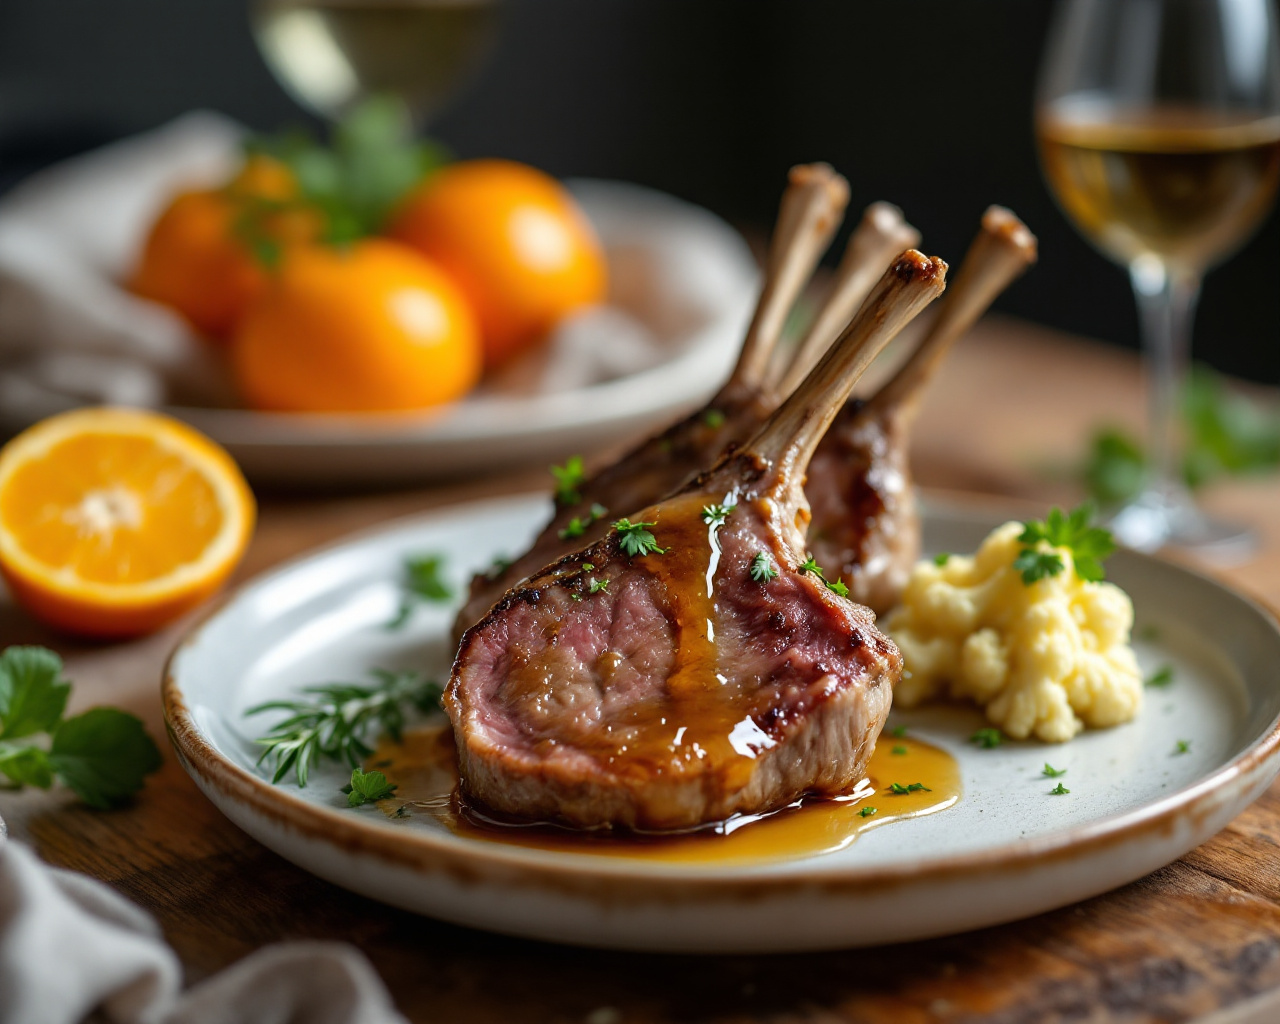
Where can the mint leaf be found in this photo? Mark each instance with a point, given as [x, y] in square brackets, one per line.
[103, 755]
[33, 694]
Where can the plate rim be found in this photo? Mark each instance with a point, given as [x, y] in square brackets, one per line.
[423, 851]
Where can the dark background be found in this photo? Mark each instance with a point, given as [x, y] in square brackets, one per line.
[926, 104]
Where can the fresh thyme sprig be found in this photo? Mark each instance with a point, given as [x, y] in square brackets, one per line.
[337, 720]
[838, 587]
[1089, 545]
[636, 539]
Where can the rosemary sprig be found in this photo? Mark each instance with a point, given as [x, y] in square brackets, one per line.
[335, 720]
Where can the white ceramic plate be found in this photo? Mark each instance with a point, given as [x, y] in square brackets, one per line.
[1006, 849]
[685, 275]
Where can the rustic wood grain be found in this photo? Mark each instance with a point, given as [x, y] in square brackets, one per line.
[1011, 408]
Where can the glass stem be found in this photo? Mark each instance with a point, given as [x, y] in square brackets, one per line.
[1166, 308]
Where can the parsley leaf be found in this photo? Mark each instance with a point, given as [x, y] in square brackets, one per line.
[103, 756]
[899, 730]
[715, 515]
[599, 585]
[577, 526]
[838, 587]
[1182, 747]
[1089, 545]
[941, 559]
[898, 789]
[368, 787]
[636, 539]
[423, 581]
[899, 749]
[810, 565]
[1050, 772]
[762, 568]
[1161, 677]
[988, 738]
[713, 418]
[866, 812]
[33, 693]
[1059, 790]
[1037, 565]
[569, 477]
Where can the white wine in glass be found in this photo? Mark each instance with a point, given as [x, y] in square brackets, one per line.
[1158, 123]
[330, 54]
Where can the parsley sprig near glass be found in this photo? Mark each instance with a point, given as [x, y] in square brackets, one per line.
[102, 755]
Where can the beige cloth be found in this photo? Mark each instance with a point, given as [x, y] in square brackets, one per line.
[69, 945]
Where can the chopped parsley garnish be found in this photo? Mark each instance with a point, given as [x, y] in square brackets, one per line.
[838, 587]
[636, 539]
[898, 789]
[336, 720]
[576, 596]
[715, 515]
[1182, 747]
[1162, 676]
[866, 812]
[569, 478]
[1059, 790]
[987, 738]
[713, 418]
[1089, 545]
[899, 749]
[500, 565]
[941, 559]
[423, 581]
[899, 730]
[1050, 772]
[762, 568]
[367, 787]
[577, 526]
[598, 586]
[102, 754]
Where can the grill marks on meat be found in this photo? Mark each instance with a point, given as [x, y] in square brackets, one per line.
[811, 209]
[663, 691]
[865, 522]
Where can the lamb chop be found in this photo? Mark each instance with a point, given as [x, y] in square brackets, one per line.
[690, 665]
[811, 209]
[865, 528]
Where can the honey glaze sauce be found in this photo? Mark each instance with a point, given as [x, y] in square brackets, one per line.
[424, 767]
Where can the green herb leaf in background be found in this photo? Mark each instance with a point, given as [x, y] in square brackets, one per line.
[33, 693]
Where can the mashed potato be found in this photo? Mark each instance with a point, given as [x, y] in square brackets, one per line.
[1044, 659]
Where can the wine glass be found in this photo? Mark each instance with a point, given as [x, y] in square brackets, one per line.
[331, 54]
[1158, 123]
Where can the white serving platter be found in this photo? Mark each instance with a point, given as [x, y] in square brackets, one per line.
[1007, 849]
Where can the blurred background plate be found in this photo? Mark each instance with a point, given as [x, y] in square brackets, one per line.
[680, 274]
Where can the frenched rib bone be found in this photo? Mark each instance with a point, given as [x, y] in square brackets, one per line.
[679, 676]
[812, 206]
[865, 525]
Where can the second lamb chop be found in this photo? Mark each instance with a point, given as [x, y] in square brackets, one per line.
[690, 665]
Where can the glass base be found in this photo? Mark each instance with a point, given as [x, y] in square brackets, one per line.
[1169, 518]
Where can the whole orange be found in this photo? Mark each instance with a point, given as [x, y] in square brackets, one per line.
[372, 327]
[515, 241]
[196, 258]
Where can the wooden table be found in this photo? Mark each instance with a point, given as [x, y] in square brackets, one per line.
[1201, 934]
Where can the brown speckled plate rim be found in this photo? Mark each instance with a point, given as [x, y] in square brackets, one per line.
[441, 853]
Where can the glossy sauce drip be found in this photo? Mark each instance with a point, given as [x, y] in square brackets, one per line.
[424, 768]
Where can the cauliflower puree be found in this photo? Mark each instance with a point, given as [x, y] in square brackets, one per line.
[1044, 659]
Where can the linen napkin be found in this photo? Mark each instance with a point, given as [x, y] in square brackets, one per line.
[69, 945]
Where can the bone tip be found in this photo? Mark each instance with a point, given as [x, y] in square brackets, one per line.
[914, 267]
[1005, 225]
[821, 177]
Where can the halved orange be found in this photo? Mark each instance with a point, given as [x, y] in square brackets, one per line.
[113, 522]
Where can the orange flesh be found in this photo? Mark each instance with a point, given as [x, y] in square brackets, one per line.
[112, 508]
[424, 767]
